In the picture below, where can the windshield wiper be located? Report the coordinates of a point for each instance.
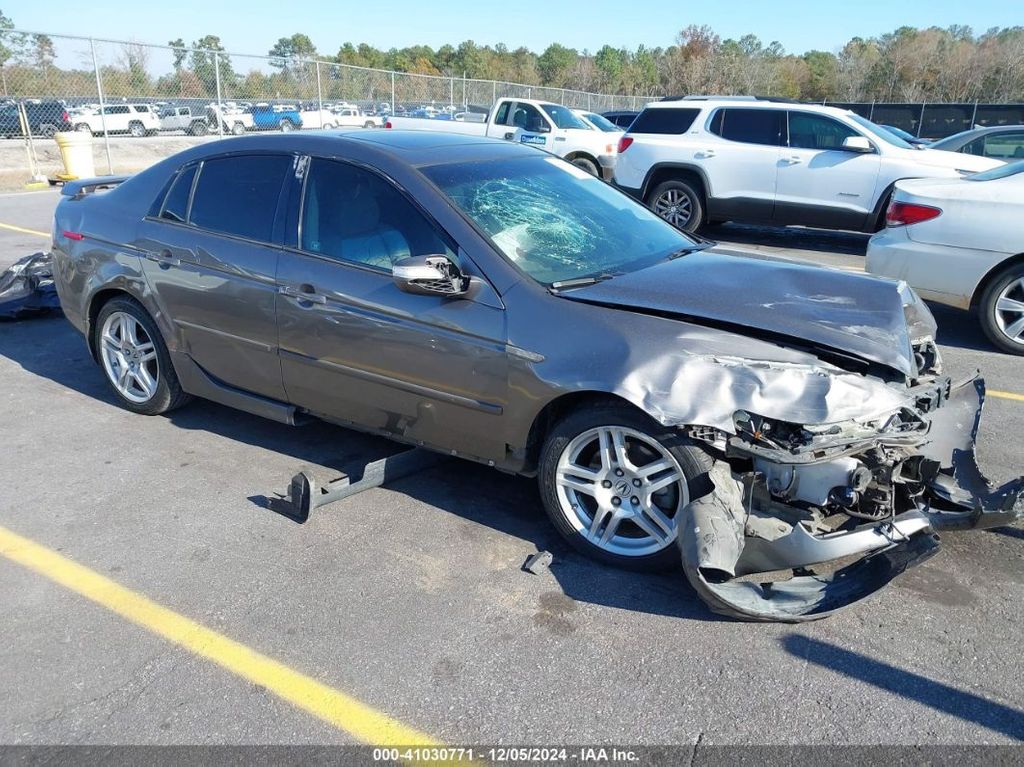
(688, 250)
(579, 282)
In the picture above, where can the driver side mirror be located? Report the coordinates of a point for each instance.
(429, 276)
(857, 144)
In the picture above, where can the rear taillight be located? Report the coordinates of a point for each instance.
(64, 117)
(906, 213)
(387, 124)
(624, 143)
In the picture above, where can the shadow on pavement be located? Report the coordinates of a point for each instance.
(52, 349)
(941, 697)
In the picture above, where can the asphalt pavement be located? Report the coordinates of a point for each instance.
(203, 617)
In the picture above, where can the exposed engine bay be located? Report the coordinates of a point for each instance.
(803, 520)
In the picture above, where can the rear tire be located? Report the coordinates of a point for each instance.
(286, 126)
(199, 129)
(47, 131)
(619, 488)
(1001, 310)
(115, 351)
(136, 129)
(237, 129)
(679, 203)
(83, 128)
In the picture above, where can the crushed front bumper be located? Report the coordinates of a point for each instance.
(733, 541)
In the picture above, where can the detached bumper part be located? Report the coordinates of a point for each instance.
(962, 497)
(716, 553)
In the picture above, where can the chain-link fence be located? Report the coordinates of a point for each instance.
(118, 88)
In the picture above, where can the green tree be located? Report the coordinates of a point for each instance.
(822, 75)
(555, 64)
(207, 59)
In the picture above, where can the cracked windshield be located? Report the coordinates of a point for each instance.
(556, 222)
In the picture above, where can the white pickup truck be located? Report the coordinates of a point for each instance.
(551, 127)
(194, 123)
(354, 117)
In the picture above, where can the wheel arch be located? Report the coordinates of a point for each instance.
(990, 275)
(667, 171)
(557, 409)
(97, 301)
(581, 154)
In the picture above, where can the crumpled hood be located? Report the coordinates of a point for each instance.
(854, 314)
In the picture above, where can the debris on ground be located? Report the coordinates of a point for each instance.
(537, 563)
(27, 289)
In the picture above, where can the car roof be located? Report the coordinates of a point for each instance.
(410, 147)
(737, 102)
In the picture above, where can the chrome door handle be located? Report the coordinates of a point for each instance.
(706, 153)
(164, 258)
(794, 160)
(305, 293)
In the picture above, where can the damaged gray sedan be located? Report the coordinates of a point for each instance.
(786, 431)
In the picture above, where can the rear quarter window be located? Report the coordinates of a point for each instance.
(238, 195)
(664, 121)
(749, 126)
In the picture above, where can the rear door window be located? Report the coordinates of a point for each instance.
(664, 121)
(501, 118)
(750, 126)
(238, 195)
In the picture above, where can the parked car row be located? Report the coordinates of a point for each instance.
(945, 216)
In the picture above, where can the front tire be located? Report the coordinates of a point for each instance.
(237, 129)
(587, 165)
(137, 130)
(613, 482)
(1001, 310)
(679, 203)
(135, 359)
(286, 126)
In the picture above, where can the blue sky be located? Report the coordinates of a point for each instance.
(254, 26)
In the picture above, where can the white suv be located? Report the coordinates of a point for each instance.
(706, 160)
(133, 119)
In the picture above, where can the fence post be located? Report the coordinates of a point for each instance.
(394, 105)
(464, 104)
(220, 105)
(451, 91)
(920, 120)
(974, 115)
(319, 96)
(103, 116)
(494, 94)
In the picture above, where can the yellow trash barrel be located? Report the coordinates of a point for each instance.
(76, 152)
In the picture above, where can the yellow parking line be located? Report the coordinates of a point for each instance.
(336, 708)
(1005, 395)
(23, 230)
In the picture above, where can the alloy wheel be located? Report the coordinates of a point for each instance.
(129, 357)
(621, 490)
(1010, 311)
(674, 206)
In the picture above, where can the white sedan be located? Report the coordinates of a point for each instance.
(598, 122)
(960, 242)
